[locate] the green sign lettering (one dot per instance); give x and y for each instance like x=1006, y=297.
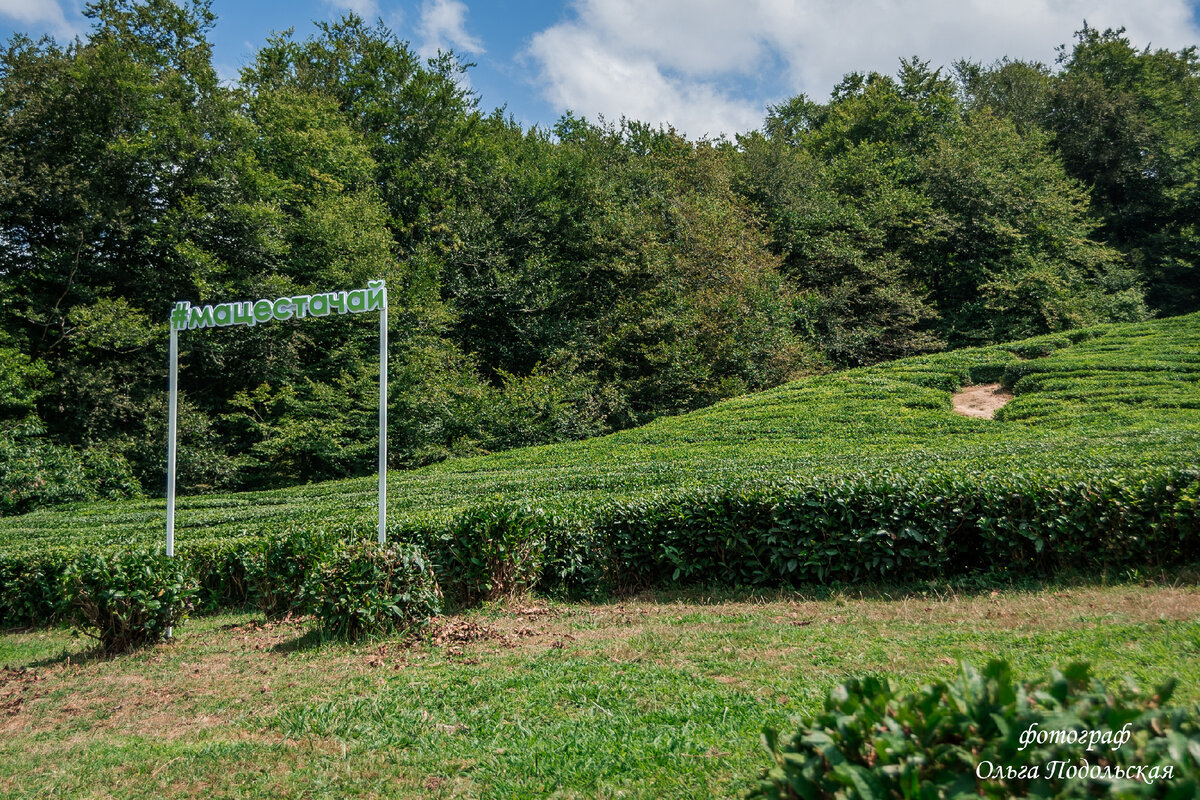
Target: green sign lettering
x=186, y=317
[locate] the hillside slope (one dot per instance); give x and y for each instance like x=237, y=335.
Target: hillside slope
x=1123, y=397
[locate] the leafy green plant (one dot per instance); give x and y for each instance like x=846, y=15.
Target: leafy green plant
x=575, y=564
x=885, y=526
x=279, y=567
x=35, y=472
x=987, y=734
x=365, y=588
x=128, y=599
x=31, y=591
x=491, y=552
x=223, y=568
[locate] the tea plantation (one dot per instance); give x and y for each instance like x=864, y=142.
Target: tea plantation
x=865, y=473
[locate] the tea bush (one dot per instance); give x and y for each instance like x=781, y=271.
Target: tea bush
x=223, y=569
x=364, y=588
x=889, y=527
x=491, y=552
x=280, y=566
x=31, y=589
x=128, y=599
x=576, y=563
x=987, y=734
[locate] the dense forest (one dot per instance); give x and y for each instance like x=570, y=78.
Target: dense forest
x=544, y=285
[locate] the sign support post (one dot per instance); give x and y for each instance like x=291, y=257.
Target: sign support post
x=172, y=411
x=383, y=398
x=172, y=408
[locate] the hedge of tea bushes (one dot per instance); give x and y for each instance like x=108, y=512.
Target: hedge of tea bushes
x=884, y=527
x=892, y=528
x=130, y=598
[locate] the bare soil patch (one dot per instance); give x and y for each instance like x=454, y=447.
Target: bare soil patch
x=981, y=402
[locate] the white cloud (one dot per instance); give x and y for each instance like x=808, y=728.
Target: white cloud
x=367, y=9
x=686, y=62
x=443, y=26
x=820, y=44
x=583, y=74
x=42, y=15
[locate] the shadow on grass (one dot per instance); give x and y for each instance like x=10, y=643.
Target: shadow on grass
x=964, y=587
x=312, y=639
x=317, y=637
x=93, y=655
x=90, y=652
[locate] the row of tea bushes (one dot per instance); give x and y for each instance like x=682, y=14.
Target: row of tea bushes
x=891, y=528
x=883, y=527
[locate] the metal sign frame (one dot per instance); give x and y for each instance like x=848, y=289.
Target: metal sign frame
x=185, y=317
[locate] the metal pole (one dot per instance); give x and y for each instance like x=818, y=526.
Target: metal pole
x=383, y=399
x=173, y=387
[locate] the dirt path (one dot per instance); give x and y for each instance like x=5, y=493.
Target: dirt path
x=981, y=401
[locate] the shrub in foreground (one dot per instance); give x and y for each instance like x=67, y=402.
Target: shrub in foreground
x=491, y=552
x=31, y=589
x=984, y=734
x=129, y=599
x=364, y=588
x=279, y=567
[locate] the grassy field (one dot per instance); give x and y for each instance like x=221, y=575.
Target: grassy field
x=1115, y=397
x=652, y=697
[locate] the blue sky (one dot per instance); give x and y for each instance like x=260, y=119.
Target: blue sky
x=706, y=66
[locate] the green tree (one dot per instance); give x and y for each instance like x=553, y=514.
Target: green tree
x=35, y=471
x=909, y=217
x=1016, y=90
x=1127, y=123
x=414, y=117
x=112, y=149
x=1011, y=255
x=617, y=257
x=132, y=178
x=837, y=182
x=710, y=315
x=300, y=403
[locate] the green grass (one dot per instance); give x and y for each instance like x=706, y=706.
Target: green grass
x=1113, y=397
x=654, y=697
